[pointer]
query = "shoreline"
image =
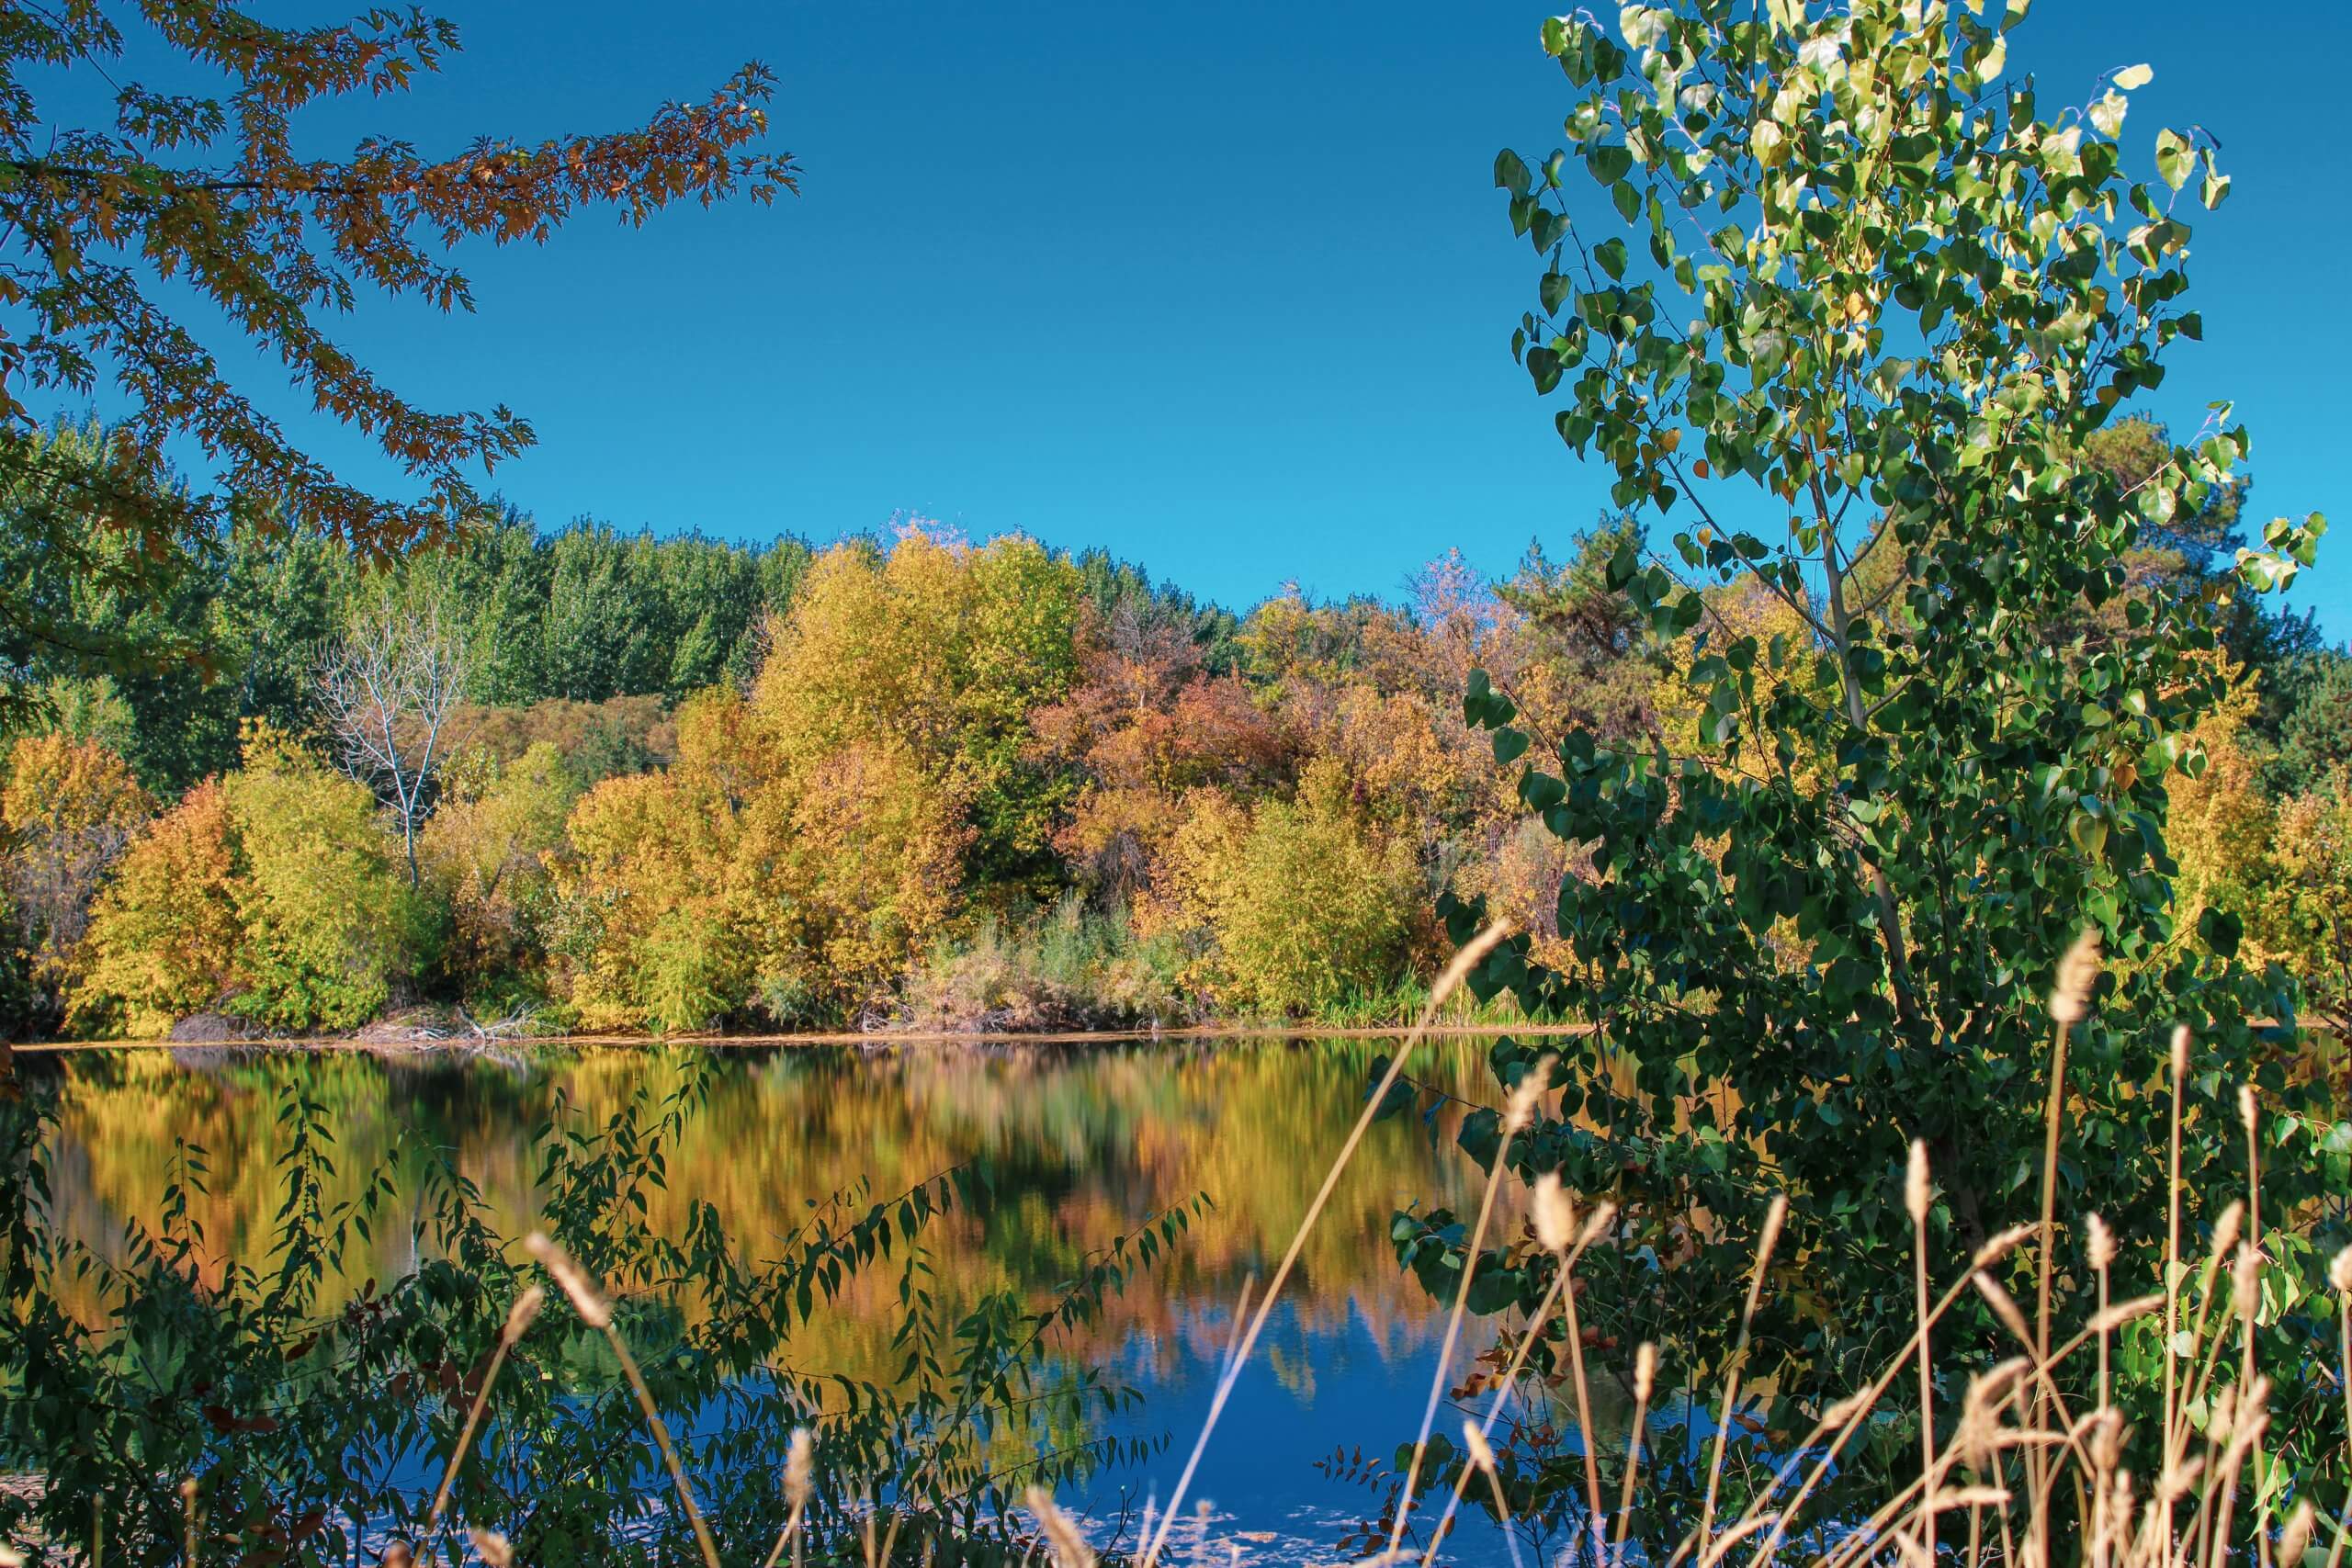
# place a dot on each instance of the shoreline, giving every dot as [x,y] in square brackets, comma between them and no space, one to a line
[828,1038]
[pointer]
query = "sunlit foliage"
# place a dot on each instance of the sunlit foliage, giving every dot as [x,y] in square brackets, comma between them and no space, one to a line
[69,807]
[271,895]
[1309,899]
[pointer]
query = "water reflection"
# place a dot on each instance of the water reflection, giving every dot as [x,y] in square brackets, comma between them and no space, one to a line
[1082,1142]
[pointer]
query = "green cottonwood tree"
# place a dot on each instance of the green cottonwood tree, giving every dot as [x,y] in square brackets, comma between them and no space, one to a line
[1862,308]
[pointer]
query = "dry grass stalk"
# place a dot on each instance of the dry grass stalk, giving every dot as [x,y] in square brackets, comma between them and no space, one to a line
[1516,1117]
[1481,1458]
[1563,1285]
[1062,1536]
[1645,1380]
[519,1318]
[1914,1201]
[1472,953]
[1776,1214]
[596,1313]
[2069,1005]
[800,1490]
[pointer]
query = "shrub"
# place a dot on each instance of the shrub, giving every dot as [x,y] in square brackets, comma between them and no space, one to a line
[1068,967]
[1309,901]
[271,895]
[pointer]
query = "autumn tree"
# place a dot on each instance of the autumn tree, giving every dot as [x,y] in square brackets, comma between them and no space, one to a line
[70,808]
[1310,900]
[485,850]
[270,894]
[115,229]
[164,931]
[951,648]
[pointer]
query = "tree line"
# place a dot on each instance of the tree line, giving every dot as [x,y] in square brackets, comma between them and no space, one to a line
[611,781]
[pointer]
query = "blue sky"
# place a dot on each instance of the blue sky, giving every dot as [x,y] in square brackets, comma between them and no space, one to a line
[1224,288]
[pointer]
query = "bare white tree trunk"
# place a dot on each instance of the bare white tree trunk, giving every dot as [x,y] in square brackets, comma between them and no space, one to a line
[388,685]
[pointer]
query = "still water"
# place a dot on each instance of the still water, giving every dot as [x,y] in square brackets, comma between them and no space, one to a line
[1084,1142]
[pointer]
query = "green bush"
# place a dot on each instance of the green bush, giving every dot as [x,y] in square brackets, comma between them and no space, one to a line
[1825,925]
[1309,900]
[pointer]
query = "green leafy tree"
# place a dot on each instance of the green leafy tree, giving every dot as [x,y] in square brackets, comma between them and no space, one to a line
[1846,321]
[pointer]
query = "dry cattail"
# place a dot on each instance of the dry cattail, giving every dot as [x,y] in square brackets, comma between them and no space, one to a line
[2070,999]
[2105,1426]
[2339,1272]
[2102,1246]
[493,1548]
[556,1261]
[1595,1223]
[1472,953]
[1980,1410]
[2247,1114]
[1915,1183]
[2224,1419]
[2121,1313]
[2179,1052]
[1848,1408]
[2297,1535]
[1645,1371]
[1069,1547]
[2004,1305]
[1519,1113]
[2245,1281]
[1999,1247]
[2178,1481]
[1554,1215]
[522,1313]
[800,1467]
[1475,1441]
[2226,1228]
[2253,1414]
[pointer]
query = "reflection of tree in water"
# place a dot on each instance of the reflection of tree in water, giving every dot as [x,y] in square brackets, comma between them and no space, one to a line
[1077,1142]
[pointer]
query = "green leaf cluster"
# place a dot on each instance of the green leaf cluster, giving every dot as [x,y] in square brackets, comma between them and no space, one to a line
[1848,333]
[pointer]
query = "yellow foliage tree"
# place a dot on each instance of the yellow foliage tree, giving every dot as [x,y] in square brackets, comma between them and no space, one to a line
[948,651]
[2311,915]
[1308,899]
[484,851]
[854,859]
[271,894]
[656,934]
[69,807]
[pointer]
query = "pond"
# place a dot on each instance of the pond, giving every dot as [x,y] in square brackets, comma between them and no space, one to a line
[1081,1142]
